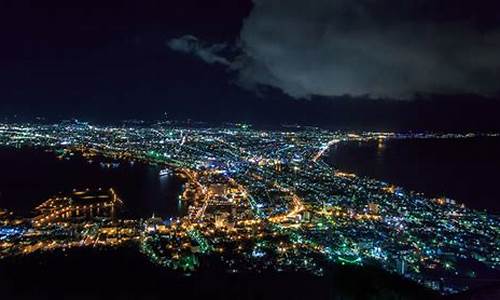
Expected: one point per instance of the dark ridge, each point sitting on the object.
(126, 274)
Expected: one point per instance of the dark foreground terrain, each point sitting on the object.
(125, 274)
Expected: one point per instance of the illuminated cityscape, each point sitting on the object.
(256, 200)
(250, 150)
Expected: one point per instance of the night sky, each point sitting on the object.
(389, 64)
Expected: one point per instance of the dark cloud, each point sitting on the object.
(383, 48)
(208, 53)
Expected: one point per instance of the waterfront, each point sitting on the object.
(28, 177)
(256, 200)
(460, 169)
(463, 169)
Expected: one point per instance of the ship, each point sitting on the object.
(110, 165)
(165, 172)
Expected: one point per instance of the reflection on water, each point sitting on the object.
(464, 169)
(380, 149)
(29, 177)
(170, 185)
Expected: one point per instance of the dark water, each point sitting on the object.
(467, 170)
(28, 177)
